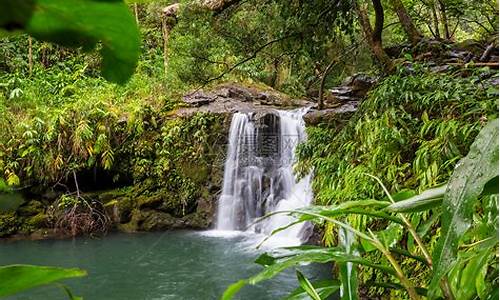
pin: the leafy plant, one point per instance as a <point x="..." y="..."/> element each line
<point x="17" y="278"/>
<point x="77" y="23"/>
<point x="465" y="189"/>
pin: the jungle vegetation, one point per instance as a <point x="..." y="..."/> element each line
<point x="406" y="189"/>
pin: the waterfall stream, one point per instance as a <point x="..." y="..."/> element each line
<point x="259" y="179"/>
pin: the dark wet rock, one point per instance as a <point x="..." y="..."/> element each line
<point x="30" y="208"/>
<point x="397" y="50"/>
<point x="149" y="201"/>
<point x="331" y="115"/>
<point x="352" y="90"/>
<point x="153" y="220"/>
<point x="360" y="83"/>
<point x="50" y="195"/>
<point x="441" y="69"/>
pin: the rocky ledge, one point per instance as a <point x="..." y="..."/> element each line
<point x="340" y="102"/>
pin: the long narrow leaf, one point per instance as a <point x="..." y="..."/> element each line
<point x="465" y="185"/>
<point x="424" y="201"/>
<point x="325" y="289"/>
<point x="306" y="285"/>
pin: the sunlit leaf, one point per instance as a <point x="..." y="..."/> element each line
<point x="306" y="285"/>
<point x="428" y="199"/>
<point x="464" y="187"/>
<point x="324" y="288"/>
<point x="16" y="278"/>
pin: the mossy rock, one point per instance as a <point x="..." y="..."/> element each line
<point x="125" y="206"/>
<point x="111" y="195"/>
<point x="9" y="224"/>
<point x="38" y="221"/>
<point x="197" y="220"/>
<point x="133" y="224"/>
<point x="150" y="220"/>
<point x="157" y="220"/>
<point x="149" y="201"/>
<point x="198" y="173"/>
<point x="31" y="208"/>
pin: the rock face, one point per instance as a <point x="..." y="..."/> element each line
<point x="337" y="115"/>
<point x="340" y="102"/>
<point x="230" y="98"/>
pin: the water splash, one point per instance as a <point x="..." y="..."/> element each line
<point x="259" y="179"/>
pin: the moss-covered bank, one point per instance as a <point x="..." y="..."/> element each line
<point x="147" y="171"/>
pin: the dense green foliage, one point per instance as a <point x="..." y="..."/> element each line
<point x="458" y="259"/>
<point x="410" y="131"/>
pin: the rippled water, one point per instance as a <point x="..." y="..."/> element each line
<point x="169" y="265"/>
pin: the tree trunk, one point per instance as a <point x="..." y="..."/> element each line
<point x="406" y="21"/>
<point x="374" y="36"/>
<point x="322" y="84"/>
<point x="437" y="33"/>
<point x="444" y="19"/>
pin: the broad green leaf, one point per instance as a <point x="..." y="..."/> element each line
<point x="16" y="278"/>
<point x="84" y="23"/>
<point x="389" y="237"/>
<point x="306" y="285"/>
<point x="493" y="295"/>
<point x="470" y="274"/>
<point x="325" y="289"/>
<point x="424" y="201"/>
<point x="294" y="256"/>
<point x="465" y="185"/>
<point x="467" y="272"/>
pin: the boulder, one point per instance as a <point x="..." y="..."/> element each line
<point x="153" y="220"/>
<point x="31" y="208"/>
<point x="338" y="115"/>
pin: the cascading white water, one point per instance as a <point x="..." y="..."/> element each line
<point x="258" y="175"/>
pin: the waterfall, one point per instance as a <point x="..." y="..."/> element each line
<point x="258" y="175"/>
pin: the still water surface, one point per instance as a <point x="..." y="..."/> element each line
<point x="168" y="265"/>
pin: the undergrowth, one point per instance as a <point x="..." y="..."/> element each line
<point x="410" y="131"/>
